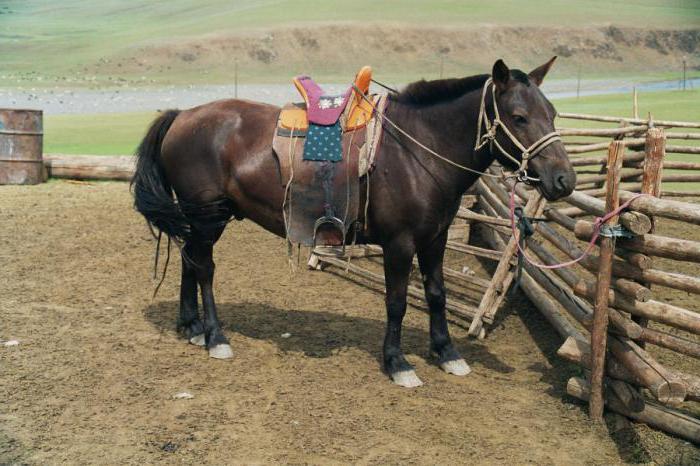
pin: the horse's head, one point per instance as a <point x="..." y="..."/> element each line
<point x="529" y="117"/>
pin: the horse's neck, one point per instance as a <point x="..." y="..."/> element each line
<point x="449" y="128"/>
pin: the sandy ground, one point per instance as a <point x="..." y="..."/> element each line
<point x="98" y="362"/>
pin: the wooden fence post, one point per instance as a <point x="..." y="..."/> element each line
<point x="654" y="155"/>
<point x="599" y="330"/>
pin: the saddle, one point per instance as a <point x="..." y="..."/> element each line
<point x="324" y="146"/>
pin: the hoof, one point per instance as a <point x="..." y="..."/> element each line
<point x="221" y="351"/>
<point x="456" y="367"/>
<point x="198" y="340"/>
<point x="407" y="379"/>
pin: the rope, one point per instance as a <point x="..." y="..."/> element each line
<point x="421" y="145"/>
<point x="597" y="225"/>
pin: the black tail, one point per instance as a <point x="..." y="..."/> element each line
<point x="153" y="196"/>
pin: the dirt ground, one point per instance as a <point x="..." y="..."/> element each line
<point x="98" y="362"/>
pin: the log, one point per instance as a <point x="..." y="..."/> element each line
<point x="467" y="214"/>
<point x="578" y="351"/>
<point x="682" y="149"/>
<point x="672" y="342"/>
<point x="602" y="132"/>
<point x="653" y="245"/>
<point x="675" y="210"/>
<point x="636" y="222"/>
<point x="657" y="311"/>
<point x="675" y="135"/>
<point x="637" y="259"/>
<point x="503" y="273"/>
<point x="474" y="250"/>
<point x="657" y="416"/>
<point x="570" y="211"/>
<point x="651" y="180"/>
<point x="95" y="167"/>
<point x="673" y="280"/>
<point x="466" y="279"/>
<point x="634" y="121"/>
<point x="601" y="146"/>
<point x="639" y="292"/>
<point x="599" y="328"/>
<point x="631" y="399"/>
<point x="630" y="159"/>
<point x="629" y="175"/>
<point x="666" y="387"/>
<point x="461" y="310"/>
<point x="548" y="307"/>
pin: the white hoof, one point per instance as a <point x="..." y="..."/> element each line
<point x="198" y="340"/>
<point x="222" y="351"/>
<point x="457" y="367"/>
<point x="407" y="379"/>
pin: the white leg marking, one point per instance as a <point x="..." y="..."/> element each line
<point x="457" y="367"/>
<point x="222" y="351"/>
<point x="407" y="379"/>
<point x="198" y="340"/>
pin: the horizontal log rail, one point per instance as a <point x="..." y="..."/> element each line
<point x="634" y="121"/>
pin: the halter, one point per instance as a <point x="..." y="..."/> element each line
<point x="489" y="137"/>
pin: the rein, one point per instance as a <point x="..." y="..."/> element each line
<point x="598" y="224"/>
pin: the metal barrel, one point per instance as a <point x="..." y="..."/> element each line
<point x="21" y="146"/>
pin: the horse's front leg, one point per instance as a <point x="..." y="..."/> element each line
<point x="398" y="256"/>
<point x="430" y="260"/>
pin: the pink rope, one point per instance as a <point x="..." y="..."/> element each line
<point x="597" y="225"/>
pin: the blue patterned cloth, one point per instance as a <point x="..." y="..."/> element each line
<point x="323" y="143"/>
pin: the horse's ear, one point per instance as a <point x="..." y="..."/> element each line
<point x="537" y="75"/>
<point x="500" y="75"/>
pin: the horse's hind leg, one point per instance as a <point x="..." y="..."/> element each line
<point x="189" y="323"/>
<point x="202" y="256"/>
<point x="430" y="260"/>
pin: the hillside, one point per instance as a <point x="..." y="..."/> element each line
<point x="183" y="41"/>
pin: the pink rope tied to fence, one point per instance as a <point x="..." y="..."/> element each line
<point x="597" y="225"/>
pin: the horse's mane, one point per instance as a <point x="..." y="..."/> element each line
<point x="431" y="92"/>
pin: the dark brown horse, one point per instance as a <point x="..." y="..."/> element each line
<point x="200" y="167"/>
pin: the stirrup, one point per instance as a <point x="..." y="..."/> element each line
<point x="333" y="221"/>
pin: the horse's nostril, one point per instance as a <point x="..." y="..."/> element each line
<point x="560" y="183"/>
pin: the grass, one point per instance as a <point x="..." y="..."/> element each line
<point x="120" y="133"/>
<point x="103" y="134"/>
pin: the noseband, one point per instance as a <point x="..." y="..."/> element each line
<point x="490" y="136"/>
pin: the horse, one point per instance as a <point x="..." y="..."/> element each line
<point x="197" y="169"/>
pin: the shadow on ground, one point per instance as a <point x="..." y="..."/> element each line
<point x="318" y="334"/>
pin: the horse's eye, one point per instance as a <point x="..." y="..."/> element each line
<point x="519" y="119"/>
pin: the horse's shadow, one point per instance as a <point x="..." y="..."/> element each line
<point x="319" y="334"/>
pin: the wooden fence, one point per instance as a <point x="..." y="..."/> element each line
<point x="611" y="308"/>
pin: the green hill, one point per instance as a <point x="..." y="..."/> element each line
<point x="179" y="41"/>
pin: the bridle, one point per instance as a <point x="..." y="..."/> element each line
<point x="490" y="137"/>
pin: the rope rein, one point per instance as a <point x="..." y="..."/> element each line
<point x="597" y="226"/>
